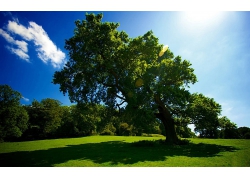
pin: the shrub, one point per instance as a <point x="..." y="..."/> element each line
<point x="125" y="129"/>
<point x="107" y="132"/>
<point x="247" y="135"/>
<point x="151" y="135"/>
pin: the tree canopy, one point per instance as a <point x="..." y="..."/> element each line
<point x="137" y="74"/>
<point x="13" y="117"/>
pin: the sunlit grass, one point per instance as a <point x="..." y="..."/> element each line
<point x="114" y="151"/>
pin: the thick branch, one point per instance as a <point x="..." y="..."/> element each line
<point x="120" y="103"/>
<point x="159" y="115"/>
<point x="161" y="106"/>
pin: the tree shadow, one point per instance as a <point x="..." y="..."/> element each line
<point x="112" y="152"/>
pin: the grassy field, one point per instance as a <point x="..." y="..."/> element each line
<point x="114" y="151"/>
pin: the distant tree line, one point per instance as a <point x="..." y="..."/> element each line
<point x="50" y="119"/>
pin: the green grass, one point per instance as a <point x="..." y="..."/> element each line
<point x="113" y="151"/>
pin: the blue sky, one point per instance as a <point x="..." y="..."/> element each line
<point x="216" y="43"/>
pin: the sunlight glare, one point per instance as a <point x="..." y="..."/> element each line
<point x="198" y="17"/>
<point x="194" y="21"/>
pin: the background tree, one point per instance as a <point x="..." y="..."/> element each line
<point x="45" y="117"/>
<point x="52" y="115"/>
<point x="35" y="128"/>
<point x="228" y="129"/>
<point x="109" y="121"/>
<point x="137" y="74"/>
<point x="142" y="122"/>
<point x="247" y="135"/>
<point x="185" y="132"/>
<point x="85" y="117"/>
<point x="244" y="132"/>
<point x="204" y="113"/>
<point x="13" y="117"/>
<point x="66" y="128"/>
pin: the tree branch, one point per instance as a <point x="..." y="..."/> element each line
<point x="120" y="97"/>
<point x="120" y="103"/>
<point x="110" y="71"/>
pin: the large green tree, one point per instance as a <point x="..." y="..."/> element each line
<point x="136" y="74"/>
<point x="13" y="117"/>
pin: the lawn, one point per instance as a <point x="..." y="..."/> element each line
<point x="121" y="151"/>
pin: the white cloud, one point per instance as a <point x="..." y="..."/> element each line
<point x="19" y="53"/>
<point x="22" y="45"/>
<point x="21" y="50"/>
<point x="7" y="36"/>
<point x="25" y="99"/>
<point x="46" y="49"/>
<point x="20" y="30"/>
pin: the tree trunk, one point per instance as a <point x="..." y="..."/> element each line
<point x="168" y="122"/>
<point x="171" y="136"/>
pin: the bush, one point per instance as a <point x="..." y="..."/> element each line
<point x="247" y="135"/>
<point x="125" y="129"/>
<point x="151" y="135"/>
<point x="107" y="132"/>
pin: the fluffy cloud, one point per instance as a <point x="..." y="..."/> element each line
<point x="21" y="49"/>
<point x="47" y="51"/>
<point x="19" y="53"/>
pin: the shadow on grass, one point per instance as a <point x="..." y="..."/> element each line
<point x="112" y="152"/>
